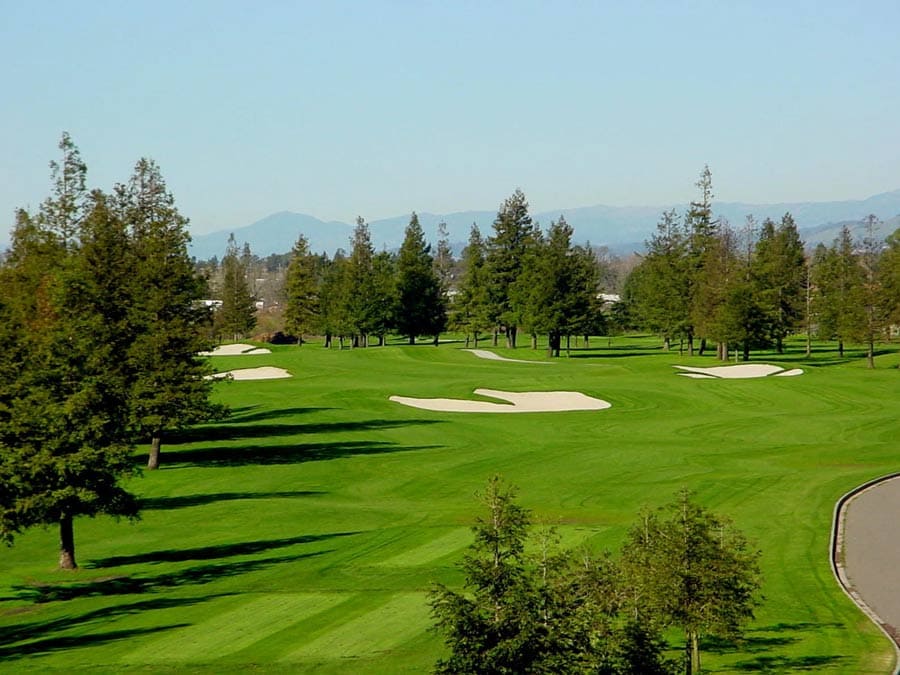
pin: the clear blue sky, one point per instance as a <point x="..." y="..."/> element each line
<point x="380" y="108"/>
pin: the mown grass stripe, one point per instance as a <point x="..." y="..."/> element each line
<point x="235" y="629"/>
<point x="390" y="625"/>
<point x="432" y="550"/>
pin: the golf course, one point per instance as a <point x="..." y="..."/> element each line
<point x="303" y="533"/>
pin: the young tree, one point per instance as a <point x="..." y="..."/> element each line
<point x="384" y="301"/>
<point x="421" y="307"/>
<point x="685" y="566"/>
<point x="169" y="385"/>
<point x="361" y="295"/>
<point x="547" y="612"/>
<point x="237" y="315"/>
<point x="871" y="292"/>
<point x="839" y="282"/>
<point x="302" y="291"/>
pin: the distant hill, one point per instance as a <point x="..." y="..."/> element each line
<point x="622" y="229"/>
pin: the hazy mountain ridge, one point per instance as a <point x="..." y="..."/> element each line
<point x="622" y="229"/>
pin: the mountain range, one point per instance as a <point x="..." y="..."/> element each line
<point x="621" y="228"/>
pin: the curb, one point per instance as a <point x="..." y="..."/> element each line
<point x="837" y="568"/>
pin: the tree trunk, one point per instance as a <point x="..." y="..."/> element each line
<point x="327" y="340"/>
<point x="467" y="340"/>
<point x="534" y="340"/>
<point x="746" y="350"/>
<point x="496" y="337"/>
<point x="412" y="339"/>
<point x="340" y="342"/>
<point x="870" y="354"/>
<point x="693" y="660"/>
<point x="690" y="341"/>
<point x="155" y="444"/>
<point x="587" y="341"/>
<point x="841" y="348"/>
<point x="568" y="343"/>
<point x="702" y="346"/>
<point x="779" y="345"/>
<point x="436" y="339"/>
<point x="66" y="544"/>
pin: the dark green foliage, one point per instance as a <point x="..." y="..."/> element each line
<point x="471" y="309"/>
<point x="421" y="305"/>
<point x="65" y="441"/>
<point x="838" y="280"/>
<point x="168" y="323"/>
<point x="686" y="567"/>
<point x="544" y="612"/>
<point x="360" y="296"/>
<point x="301" y="314"/>
<point x="237" y="315"/>
<point x="514" y="236"/>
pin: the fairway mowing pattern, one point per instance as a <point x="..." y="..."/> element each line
<point x="430" y="551"/>
<point x="235" y="629"/>
<point x="402" y="618"/>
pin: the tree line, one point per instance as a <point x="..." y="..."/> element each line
<point x="529" y="606"/>
<point x="101" y="324"/>
<point x="702" y="280"/>
<point x="519" y="278"/>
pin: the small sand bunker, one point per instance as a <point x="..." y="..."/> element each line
<point x="263" y="373"/>
<point x="236" y="350"/>
<point x="485" y="354"/>
<point x="740" y="371"/>
<point x="521" y="402"/>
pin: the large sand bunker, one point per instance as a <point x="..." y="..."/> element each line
<point x="485" y="354"/>
<point x="522" y="402"/>
<point x="263" y="373"/>
<point x="738" y="372"/>
<point x="236" y="350"/>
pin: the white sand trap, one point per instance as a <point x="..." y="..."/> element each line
<point x="485" y="354"/>
<point x="236" y="350"/>
<point x="522" y="402"/>
<point x="740" y="371"/>
<point x="263" y="373"/>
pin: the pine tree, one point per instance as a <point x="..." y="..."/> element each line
<point x="361" y="296"/>
<point x="470" y="310"/>
<point x="687" y="567"/>
<point x="65" y="441"/>
<point x="302" y="309"/>
<point x="514" y="234"/>
<point x="169" y="385"/>
<point x="237" y="315"/>
<point x="421" y="309"/>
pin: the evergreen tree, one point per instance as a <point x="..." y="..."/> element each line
<point x="514" y="234"/>
<point x="871" y="292"/>
<point x="889" y="273"/>
<point x="779" y="273"/>
<point x="421" y="307"/>
<point x="384" y="300"/>
<point x="839" y="282"/>
<point x="301" y="313"/>
<point x="64" y="396"/>
<point x="169" y="385"/>
<point x="684" y="566"/>
<point x="470" y="309"/>
<point x="361" y="297"/>
<point x="237" y="315"/>
<point x="443" y="259"/>
<point x="702" y="229"/>
<point x="335" y="298"/>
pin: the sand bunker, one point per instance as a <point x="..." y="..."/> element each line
<point x="236" y="350"/>
<point x="522" y="402"/>
<point x="738" y="372"/>
<point x="263" y="373"/>
<point x="485" y="354"/>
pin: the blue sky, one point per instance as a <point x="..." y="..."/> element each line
<point x="369" y="108"/>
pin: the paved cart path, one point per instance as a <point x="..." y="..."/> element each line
<point x="871" y="549"/>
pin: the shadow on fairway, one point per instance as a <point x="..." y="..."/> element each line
<point x="166" y="503"/>
<point x="126" y="585"/>
<point x="212" y="552"/>
<point x="295" y="453"/>
<point x="228" y="432"/>
<point x="66" y="643"/>
<point x="782" y="664"/>
<point x="37" y="630"/>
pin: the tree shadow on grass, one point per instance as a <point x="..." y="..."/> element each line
<point x="782" y="664"/>
<point x="66" y="643"/>
<point x="184" y="501"/>
<point x="128" y="585"/>
<point x="295" y="453"/>
<point x="35" y="630"/>
<point x="212" y="552"/>
<point x="231" y="432"/>
<point x="247" y="414"/>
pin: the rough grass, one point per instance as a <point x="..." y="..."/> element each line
<point x="303" y="534"/>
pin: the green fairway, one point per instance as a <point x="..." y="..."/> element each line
<point x="303" y="534"/>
